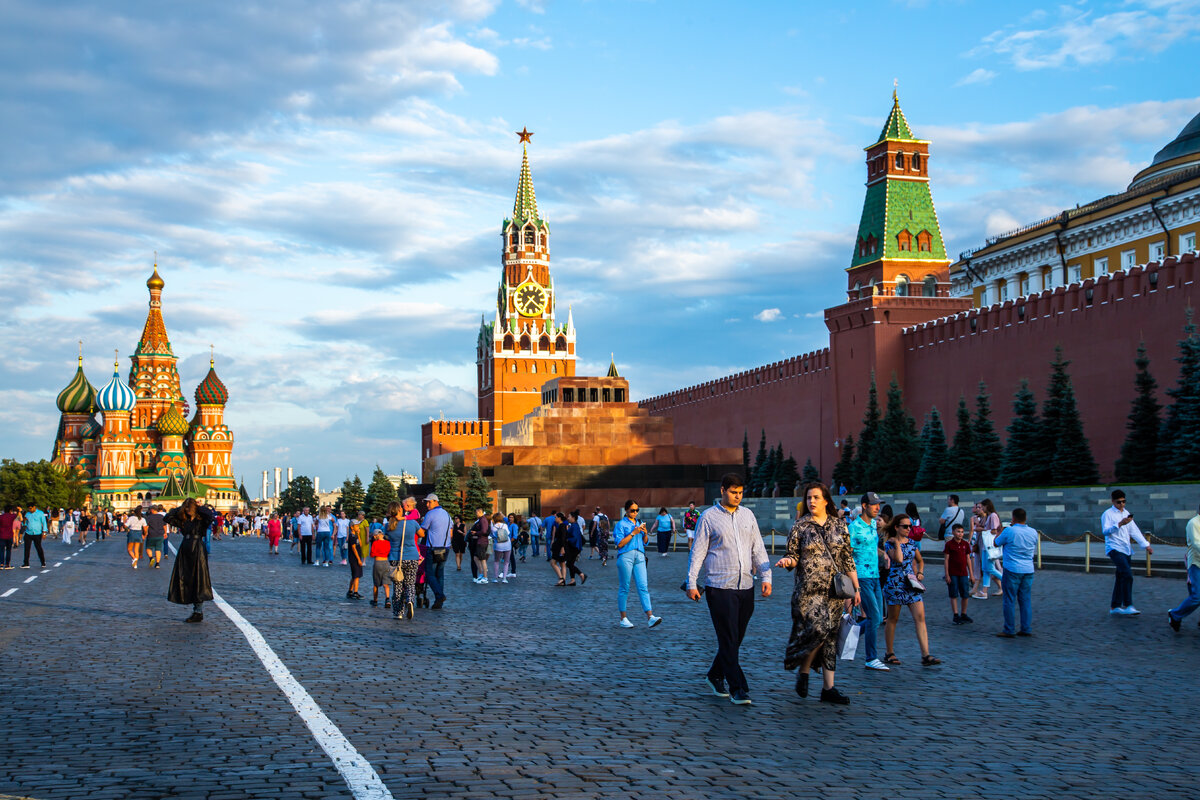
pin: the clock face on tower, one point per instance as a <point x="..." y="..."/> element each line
<point x="530" y="299"/>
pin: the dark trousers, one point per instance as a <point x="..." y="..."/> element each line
<point x="1122" y="596"/>
<point x="664" y="541"/>
<point x="5" y="552"/>
<point x="435" y="576"/>
<point x="306" y="549"/>
<point x="572" y="555"/>
<point x="730" y="610"/>
<point x="36" y="541"/>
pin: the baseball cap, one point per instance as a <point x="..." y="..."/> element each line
<point x="870" y="499"/>
<point x="432" y="498"/>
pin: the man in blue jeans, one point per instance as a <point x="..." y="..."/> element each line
<point x="1119" y="529"/>
<point x="436" y="529"/>
<point x="1175" y="615"/>
<point x="1020" y="543"/>
<point x="864" y="541"/>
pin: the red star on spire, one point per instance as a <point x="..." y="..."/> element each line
<point x="524" y="134"/>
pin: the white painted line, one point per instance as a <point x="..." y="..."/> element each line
<point x="10" y="591"/>
<point x="31" y="579"/>
<point x="361" y="778"/>
<point x="59" y="564"/>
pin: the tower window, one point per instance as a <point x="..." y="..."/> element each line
<point x="904" y="240"/>
<point x="530" y="236"/>
<point x="929" y="286"/>
<point x="512" y="239"/>
<point x="916" y="162"/>
<point x="924" y="241"/>
<point x="902" y="286"/>
<point x="899" y="160"/>
<point x="872" y="245"/>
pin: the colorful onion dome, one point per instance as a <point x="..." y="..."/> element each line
<point x="172" y="423"/>
<point x="117" y="396"/>
<point x="211" y="392"/>
<point x="155" y="282"/>
<point x="91" y="429"/>
<point x="78" y="395"/>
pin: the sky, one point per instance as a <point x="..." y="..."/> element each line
<point x="324" y="183"/>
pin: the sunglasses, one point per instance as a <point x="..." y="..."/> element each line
<point x="906" y="527"/>
<point x="634" y="510"/>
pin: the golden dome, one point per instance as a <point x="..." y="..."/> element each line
<point x="154" y="281"/>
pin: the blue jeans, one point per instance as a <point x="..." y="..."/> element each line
<point x="549" y="540"/>
<point x="342" y="549"/>
<point x="871" y="595"/>
<point x="324" y="547"/>
<point x="1193" y="599"/>
<point x="1018" y="588"/>
<point x="435" y="576"/>
<point x="632" y="564"/>
<point x="990" y="570"/>
<point x="1122" y="596"/>
<point x="533" y="539"/>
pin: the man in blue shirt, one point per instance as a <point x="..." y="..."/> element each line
<point x="436" y="529"/>
<point x="535" y="532"/>
<point x="1020" y="543"/>
<point x="548" y="523"/>
<point x="35" y="529"/>
<point x="864" y="541"/>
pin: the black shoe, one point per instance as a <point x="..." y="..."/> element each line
<point x="835" y="697"/>
<point x="437" y="604"/>
<point x="195" y="618"/>
<point x="802" y="682"/>
<point x="387" y="603"/>
<point x="1006" y="635"/>
<point x="349" y="595"/>
<point x="717" y="686"/>
<point x="740" y="698"/>
<point x="957" y="620"/>
<point x="964" y="618"/>
<point x="1024" y="633"/>
<point x="374" y="603"/>
<point x="1174" y="623"/>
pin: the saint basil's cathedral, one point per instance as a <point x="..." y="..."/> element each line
<point x="140" y="445"/>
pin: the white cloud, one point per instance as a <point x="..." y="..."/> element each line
<point x="769" y="315"/>
<point x="976" y="76"/>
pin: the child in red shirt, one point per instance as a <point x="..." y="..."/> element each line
<point x="381" y="572"/>
<point x="959" y="573"/>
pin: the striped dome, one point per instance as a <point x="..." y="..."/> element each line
<point x="117" y="396"/>
<point x="78" y="396"/>
<point x="211" y="392"/>
<point x="172" y="423"/>
<point x="91" y="429"/>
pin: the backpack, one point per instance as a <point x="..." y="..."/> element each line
<point x="502" y="535"/>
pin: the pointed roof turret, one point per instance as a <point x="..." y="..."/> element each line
<point x="570" y="320"/>
<point x="154" y="333"/>
<point x="896" y="126"/>
<point x="525" y="204"/>
<point x="612" y="367"/>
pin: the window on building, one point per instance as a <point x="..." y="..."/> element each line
<point x="1023" y="284"/>
<point x="872" y="245"/>
<point x="1076" y="273"/>
<point x="1100" y="266"/>
<point x="916" y="162"/>
<point x="904" y="240"/>
<point x="533" y="368"/>
<point x="530" y="235"/>
<point x="1002" y="291"/>
<point x="899" y="160"/>
<point x="924" y="241"/>
<point x="512" y="239"/>
<point x="1158" y="251"/>
<point x="1187" y="242"/>
<point x="902" y="286"/>
<point x="1128" y="259"/>
<point x="929" y="286"/>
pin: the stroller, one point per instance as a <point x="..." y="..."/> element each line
<point x="422" y="585"/>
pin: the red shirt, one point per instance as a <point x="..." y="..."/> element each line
<point x="380" y="548"/>
<point x="6" y="525"/>
<point x="959" y="551"/>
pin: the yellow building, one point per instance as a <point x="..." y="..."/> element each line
<point x="1157" y="216"/>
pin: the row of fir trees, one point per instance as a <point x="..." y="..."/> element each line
<point x="1044" y="447"/>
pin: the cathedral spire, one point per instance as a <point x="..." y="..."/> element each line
<point x="525" y="204"/>
<point x="154" y="334"/>
<point x="895" y="126"/>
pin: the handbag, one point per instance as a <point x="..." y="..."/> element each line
<point x="914" y="583"/>
<point x="991" y="551"/>
<point x="848" y="633"/>
<point x="840" y="586"/>
<point x="397" y="575"/>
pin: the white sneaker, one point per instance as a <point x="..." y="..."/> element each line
<point x="875" y="663"/>
<point x="650" y="623"/>
<point x="1131" y="611"/>
<point x="504" y="580"/>
<point x="625" y="623"/>
<point x="1120" y="612"/>
<point x="483" y="581"/>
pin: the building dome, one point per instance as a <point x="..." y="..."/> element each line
<point x="117" y="396"/>
<point x="155" y="282"/>
<point x="78" y="396"/>
<point x="1181" y="153"/>
<point x="172" y="423"/>
<point x="211" y="392"/>
<point x="91" y="429"/>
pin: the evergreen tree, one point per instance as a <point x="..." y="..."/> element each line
<point x="298" y="495"/>
<point x="790" y="478"/>
<point x="445" y="486"/>
<point x="985" y="444"/>
<point x="746" y="455"/>
<point x="934" y="454"/>
<point x="959" y="460"/>
<point x="1070" y="460"/>
<point x="898" y="448"/>
<point x="810" y="474"/>
<point x="867" y="458"/>
<point x="1138" y="460"/>
<point x="379" y="495"/>
<point x="353" y="497"/>
<point x="777" y="473"/>
<point x="843" y="471"/>
<point x="478" y="490"/>
<point x="243" y="494"/>
<point x="774" y="459"/>
<point x="1021" y="465"/>
<point x="754" y="478"/>
<point x="1181" y="432"/>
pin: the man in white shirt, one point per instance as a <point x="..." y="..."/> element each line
<point x="953" y="515"/>
<point x="304" y="523"/>
<point x="1118" y="528"/>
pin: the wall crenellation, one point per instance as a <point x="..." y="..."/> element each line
<point x="811" y="363"/>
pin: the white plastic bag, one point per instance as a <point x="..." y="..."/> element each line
<point x="848" y="635"/>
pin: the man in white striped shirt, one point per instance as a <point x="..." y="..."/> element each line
<point x="729" y="546"/>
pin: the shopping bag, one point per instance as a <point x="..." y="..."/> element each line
<point x="848" y="635"/>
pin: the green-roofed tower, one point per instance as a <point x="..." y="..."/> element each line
<point x="899" y="248"/>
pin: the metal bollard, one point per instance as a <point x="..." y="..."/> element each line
<point x="1147" y="563"/>
<point x="1087" y="552"/>
<point x="1039" y="550"/>
<point x="772" y="541"/>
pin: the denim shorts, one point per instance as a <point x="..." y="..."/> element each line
<point x="960" y="586"/>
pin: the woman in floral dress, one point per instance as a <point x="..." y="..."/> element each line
<point x="897" y="592"/>
<point x="818" y="547"/>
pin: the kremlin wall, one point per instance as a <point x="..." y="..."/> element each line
<point x="941" y="344"/>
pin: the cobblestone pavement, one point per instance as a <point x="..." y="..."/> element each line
<point x="527" y="690"/>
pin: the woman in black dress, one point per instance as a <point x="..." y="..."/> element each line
<point x="458" y="542"/>
<point x="190" y="581"/>
<point x="558" y="548"/>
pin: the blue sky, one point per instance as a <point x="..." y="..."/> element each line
<point x="324" y="183"/>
